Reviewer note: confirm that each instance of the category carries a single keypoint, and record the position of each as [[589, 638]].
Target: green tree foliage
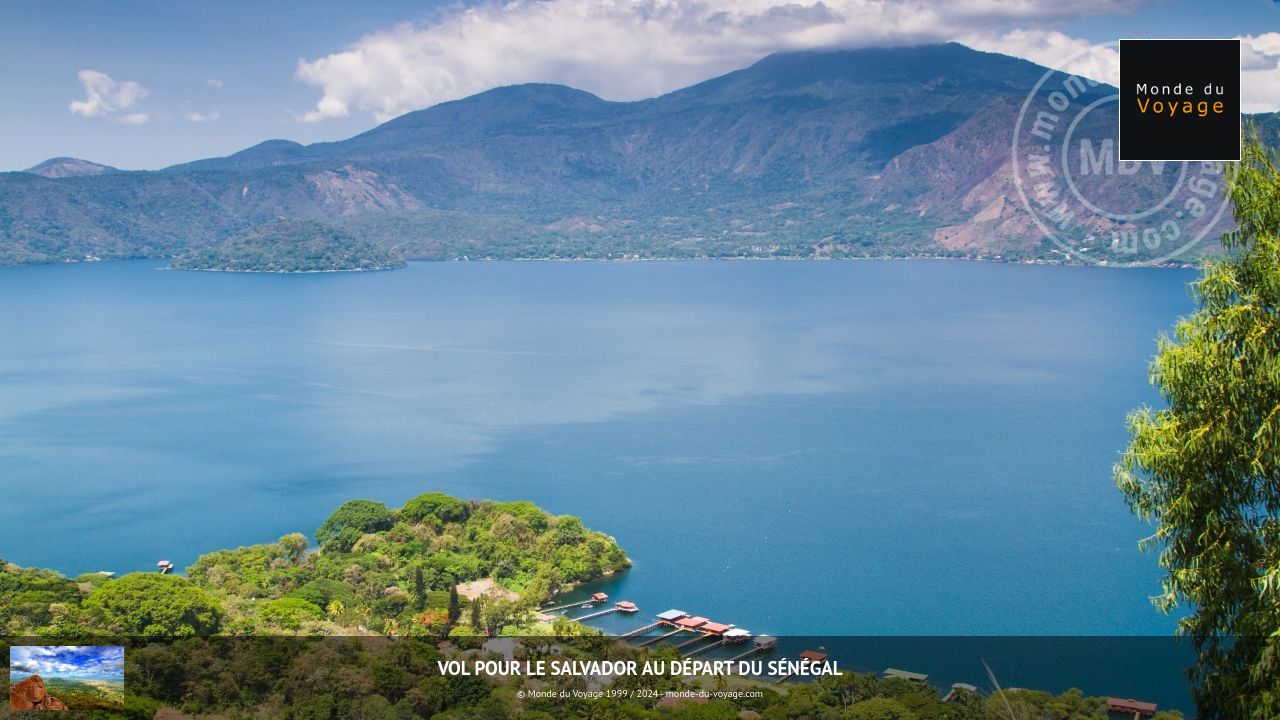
[[348, 523], [29, 597], [455, 603], [154, 605], [290, 612], [290, 245], [435, 506], [379, 571], [1206, 468], [321, 592], [419, 590]]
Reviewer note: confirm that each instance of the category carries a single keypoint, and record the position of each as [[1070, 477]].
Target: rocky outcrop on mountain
[[29, 694]]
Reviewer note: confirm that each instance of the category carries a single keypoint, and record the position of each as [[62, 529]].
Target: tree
[[290, 612], [475, 613], [439, 506], [419, 589], [499, 612], [294, 546], [455, 604], [1206, 468], [350, 521], [335, 608], [154, 605]]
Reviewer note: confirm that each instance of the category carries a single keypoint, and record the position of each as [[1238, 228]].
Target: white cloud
[[105, 97], [214, 83], [199, 117], [1053, 49], [629, 49], [1260, 72], [78, 661]]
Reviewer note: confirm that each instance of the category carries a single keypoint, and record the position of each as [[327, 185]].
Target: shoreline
[[623, 260]]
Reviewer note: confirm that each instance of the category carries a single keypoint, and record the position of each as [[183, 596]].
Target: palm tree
[[335, 608]]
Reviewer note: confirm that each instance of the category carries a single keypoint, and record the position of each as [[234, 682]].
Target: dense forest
[[377, 571], [285, 245]]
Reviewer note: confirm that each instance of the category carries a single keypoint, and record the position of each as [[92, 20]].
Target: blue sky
[[142, 84], [69, 661]]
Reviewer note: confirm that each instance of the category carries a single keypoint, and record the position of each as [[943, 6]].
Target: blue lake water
[[862, 448]]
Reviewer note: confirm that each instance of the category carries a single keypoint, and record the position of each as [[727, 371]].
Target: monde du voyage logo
[[1135, 174], [1180, 100]]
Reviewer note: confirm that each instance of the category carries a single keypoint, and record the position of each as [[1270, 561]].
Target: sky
[[143, 84], [68, 661]]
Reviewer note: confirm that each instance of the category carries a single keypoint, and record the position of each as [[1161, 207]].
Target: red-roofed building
[[813, 656], [715, 628], [599, 597], [626, 606], [1136, 708], [691, 623]]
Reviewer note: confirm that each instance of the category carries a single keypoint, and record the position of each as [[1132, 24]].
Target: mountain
[[61, 167], [872, 152]]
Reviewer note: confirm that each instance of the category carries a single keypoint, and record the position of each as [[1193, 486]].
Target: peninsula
[[289, 246]]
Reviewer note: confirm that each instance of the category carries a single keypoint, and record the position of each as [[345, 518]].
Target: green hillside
[[289, 246]]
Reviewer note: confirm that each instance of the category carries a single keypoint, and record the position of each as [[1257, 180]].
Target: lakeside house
[[766, 642], [715, 628], [672, 615], [813, 656], [736, 635], [1131, 708], [956, 689], [905, 675], [691, 623], [599, 597]]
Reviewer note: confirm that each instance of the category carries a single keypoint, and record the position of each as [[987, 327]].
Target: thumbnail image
[[66, 677]]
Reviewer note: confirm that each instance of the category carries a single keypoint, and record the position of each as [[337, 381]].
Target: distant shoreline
[[1038, 262], [267, 272]]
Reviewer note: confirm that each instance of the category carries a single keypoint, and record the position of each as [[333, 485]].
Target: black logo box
[[1187, 68]]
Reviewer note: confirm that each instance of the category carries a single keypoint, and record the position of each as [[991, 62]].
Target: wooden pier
[[748, 653], [698, 639], [622, 606], [638, 631], [566, 606], [596, 614], [653, 640], [706, 648]]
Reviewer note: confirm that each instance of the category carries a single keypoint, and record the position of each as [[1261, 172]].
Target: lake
[[859, 448]]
